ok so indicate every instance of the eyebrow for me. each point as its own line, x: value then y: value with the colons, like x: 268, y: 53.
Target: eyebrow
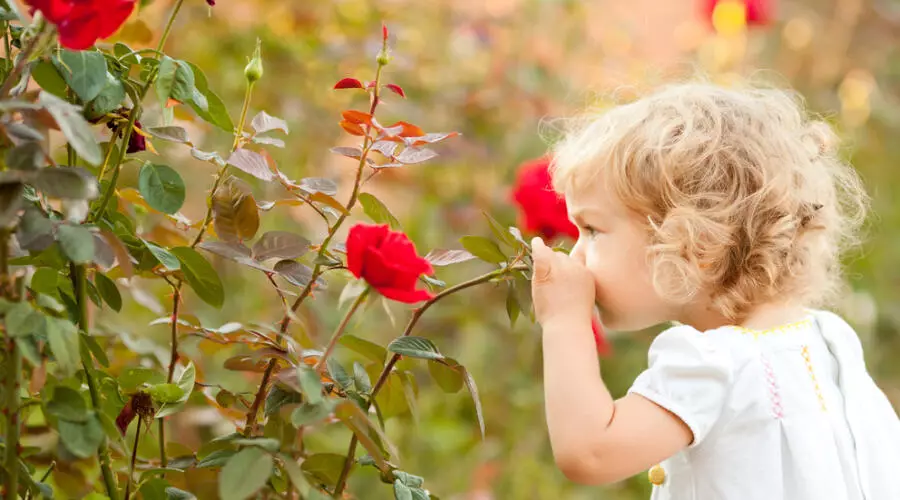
x: 581, y: 212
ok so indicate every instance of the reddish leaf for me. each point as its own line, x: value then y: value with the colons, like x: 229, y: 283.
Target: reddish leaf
x: 251, y: 162
x: 396, y: 89
x: 384, y: 32
x: 354, y: 153
x: 352, y: 128
x: 430, y: 138
x: 370, y: 84
x: 415, y: 155
x: 386, y: 148
x: 171, y: 103
x: 404, y: 129
x: 348, y: 83
x: 447, y: 257
x: 353, y: 116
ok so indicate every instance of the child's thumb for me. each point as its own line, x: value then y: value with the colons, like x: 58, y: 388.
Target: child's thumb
x: 541, y: 259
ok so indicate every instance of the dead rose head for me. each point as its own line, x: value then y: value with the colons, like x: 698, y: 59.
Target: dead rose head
x: 542, y: 210
x: 82, y: 22
x: 388, y: 261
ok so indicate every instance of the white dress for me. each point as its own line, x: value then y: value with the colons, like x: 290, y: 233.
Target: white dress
x: 788, y: 413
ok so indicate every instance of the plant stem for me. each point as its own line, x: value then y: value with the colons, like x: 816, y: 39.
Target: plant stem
x: 137, y: 437
x: 385, y: 373
x: 22, y: 60
x: 79, y: 283
x: 239, y: 132
x: 320, y: 366
x: 11, y: 411
x: 168, y: 29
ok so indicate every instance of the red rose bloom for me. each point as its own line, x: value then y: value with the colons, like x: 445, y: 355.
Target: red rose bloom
x: 759, y: 12
x: 388, y: 261
x: 82, y: 22
x: 542, y: 211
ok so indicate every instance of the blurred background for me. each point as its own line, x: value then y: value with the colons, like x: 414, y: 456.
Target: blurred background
x: 498, y: 71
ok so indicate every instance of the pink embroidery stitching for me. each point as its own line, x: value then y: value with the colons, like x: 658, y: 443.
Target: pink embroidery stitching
x: 774, y: 395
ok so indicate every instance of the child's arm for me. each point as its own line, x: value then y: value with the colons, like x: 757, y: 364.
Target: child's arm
x: 595, y: 439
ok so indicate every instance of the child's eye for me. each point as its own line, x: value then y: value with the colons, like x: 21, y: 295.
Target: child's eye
x: 589, y: 230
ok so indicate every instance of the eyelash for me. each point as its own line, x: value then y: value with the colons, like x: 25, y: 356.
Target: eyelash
x: 590, y: 230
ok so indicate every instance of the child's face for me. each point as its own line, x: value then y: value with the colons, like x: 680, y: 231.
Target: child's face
x: 612, y: 245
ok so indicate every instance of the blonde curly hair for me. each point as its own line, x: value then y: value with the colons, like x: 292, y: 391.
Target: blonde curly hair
x: 744, y: 195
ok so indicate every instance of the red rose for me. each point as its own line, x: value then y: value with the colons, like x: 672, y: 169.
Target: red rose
x: 137, y: 142
x: 603, y: 347
x: 82, y: 22
x: 759, y: 12
x: 387, y: 260
x: 542, y: 210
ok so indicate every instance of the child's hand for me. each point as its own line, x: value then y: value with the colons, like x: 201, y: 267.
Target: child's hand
x: 561, y: 286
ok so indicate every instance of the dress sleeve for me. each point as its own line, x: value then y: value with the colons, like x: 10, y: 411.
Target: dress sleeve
x: 689, y: 376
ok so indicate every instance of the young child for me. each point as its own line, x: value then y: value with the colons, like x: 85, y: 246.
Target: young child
x: 724, y: 211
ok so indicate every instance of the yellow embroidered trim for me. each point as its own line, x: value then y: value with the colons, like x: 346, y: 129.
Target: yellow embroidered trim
x: 812, y: 376
x: 778, y: 329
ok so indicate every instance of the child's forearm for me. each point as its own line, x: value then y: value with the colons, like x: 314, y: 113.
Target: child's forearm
x: 578, y: 405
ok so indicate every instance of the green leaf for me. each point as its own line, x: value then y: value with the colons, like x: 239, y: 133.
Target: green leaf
x: 73, y: 125
x: 244, y: 474
x: 26, y: 156
x: 108, y: 290
x: 154, y: 489
x: 186, y: 384
x: 280, y: 245
x: 201, y: 276
x: 338, y: 374
x: 483, y: 248
x: 500, y: 232
x: 268, y: 444
x: 166, y: 393
x: 415, y: 347
x: 278, y: 397
x: 235, y: 213
x: 377, y: 211
x: 173, y: 493
x: 77, y: 243
x: 448, y: 378
x: 23, y: 320
x: 215, y: 113
x: 361, y: 378
x: 81, y: 438
x: 83, y: 70
x: 217, y: 458
x: 307, y: 413
x: 473, y: 391
x: 132, y: 378
x: 67, y: 404
x: 44, y: 281
x: 326, y: 467
x: 402, y: 491
x: 512, y: 306
x: 47, y: 76
x: 419, y: 494
x: 295, y: 473
x: 62, y: 336
x: 94, y: 348
x: 175, y: 80
x: 126, y: 54
x: 310, y: 384
x: 364, y: 347
x: 109, y: 99
x: 162, y: 187
x: 408, y: 479
x: 69, y: 183
x: 164, y: 257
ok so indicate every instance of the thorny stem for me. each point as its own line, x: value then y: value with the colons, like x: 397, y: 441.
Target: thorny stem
x: 385, y: 373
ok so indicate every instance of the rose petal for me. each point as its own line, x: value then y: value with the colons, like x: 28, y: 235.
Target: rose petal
x: 405, y: 296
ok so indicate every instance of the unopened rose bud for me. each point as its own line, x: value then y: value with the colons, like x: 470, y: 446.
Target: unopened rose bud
x: 383, y: 58
x: 211, y: 3
x: 254, y: 69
